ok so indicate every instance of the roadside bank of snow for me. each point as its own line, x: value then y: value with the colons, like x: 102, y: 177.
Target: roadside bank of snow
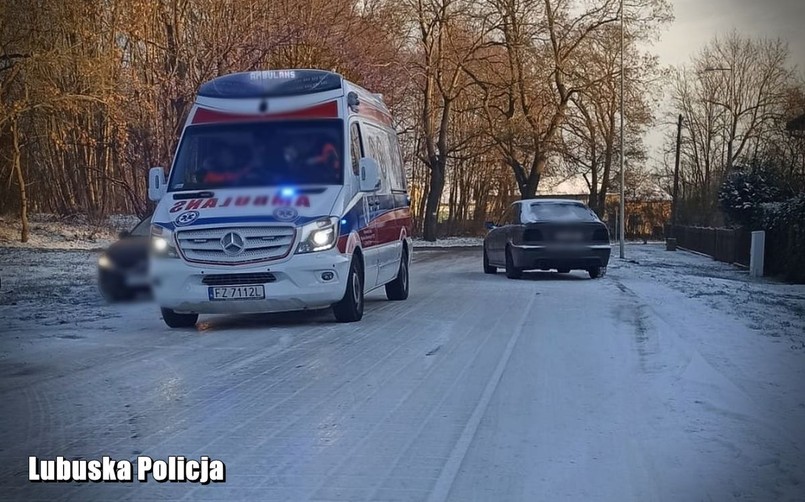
x: 767, y: 306
x: 449, y: 242
x: 52, y: 232
x: 49, y: 287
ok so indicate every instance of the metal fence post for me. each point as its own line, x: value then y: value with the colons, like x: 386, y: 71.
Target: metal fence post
x: 756, y: 253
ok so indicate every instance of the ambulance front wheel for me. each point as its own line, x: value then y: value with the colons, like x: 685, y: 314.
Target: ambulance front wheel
x: 176, y: 320
x: 350, y: 308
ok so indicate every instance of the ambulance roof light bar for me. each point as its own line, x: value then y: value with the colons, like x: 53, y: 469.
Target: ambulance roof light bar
x: 271, y: 83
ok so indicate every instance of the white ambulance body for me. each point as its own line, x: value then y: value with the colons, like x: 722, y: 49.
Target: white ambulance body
x: 287, y: 192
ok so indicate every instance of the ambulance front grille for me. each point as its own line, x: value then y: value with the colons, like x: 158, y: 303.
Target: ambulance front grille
x: 235, y: 245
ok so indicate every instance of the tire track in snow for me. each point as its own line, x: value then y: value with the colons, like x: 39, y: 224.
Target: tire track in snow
x: 450, y: 470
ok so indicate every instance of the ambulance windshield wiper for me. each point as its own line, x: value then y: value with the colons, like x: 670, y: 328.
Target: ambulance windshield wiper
x: 193, y: 195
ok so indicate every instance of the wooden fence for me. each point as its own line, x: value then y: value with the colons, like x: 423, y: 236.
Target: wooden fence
x: 723, y: 244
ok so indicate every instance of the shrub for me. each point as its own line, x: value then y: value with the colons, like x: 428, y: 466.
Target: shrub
x: 743, y: 194
x: 784, y: 223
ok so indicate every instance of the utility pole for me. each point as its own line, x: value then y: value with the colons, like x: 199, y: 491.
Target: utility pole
x: 728, y: 107
x: 623, y: 189
x: 676, y: 176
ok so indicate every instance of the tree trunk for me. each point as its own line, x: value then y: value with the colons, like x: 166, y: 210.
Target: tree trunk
x: 595, y: 189
x: 529, y: 190
x: 434, y: 198
x: 15, y: 135
x: 608, y: 157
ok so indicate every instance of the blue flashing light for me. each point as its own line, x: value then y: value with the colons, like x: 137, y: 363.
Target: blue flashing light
x: 287, y: 192
x: 344, y: 221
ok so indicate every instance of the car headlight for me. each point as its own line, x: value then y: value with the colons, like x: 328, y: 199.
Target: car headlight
x: 319, y: 235
x: 104, y: 261
x: 162, y: 243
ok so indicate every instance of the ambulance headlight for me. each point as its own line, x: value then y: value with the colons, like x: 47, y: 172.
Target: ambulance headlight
x: 319, y: 235
x: 162, y: 243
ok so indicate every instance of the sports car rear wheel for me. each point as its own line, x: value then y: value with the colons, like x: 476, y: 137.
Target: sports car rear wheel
x: 488, y: 269
x: 597, y: 272
x: 512, y: 272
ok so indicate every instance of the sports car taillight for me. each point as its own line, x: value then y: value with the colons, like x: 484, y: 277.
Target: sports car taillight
x: 532, y: 235
x: 601, y: 234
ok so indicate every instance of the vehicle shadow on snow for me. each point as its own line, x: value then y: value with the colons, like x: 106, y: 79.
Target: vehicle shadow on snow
x: 540, y: 276
x: 302, y: 318
x: 263, y: 321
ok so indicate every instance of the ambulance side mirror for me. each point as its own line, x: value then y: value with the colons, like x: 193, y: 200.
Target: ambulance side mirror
x: 156, y: 183
x: 370, y: 175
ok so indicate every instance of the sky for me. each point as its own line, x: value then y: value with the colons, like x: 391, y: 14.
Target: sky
x: 697, y: 21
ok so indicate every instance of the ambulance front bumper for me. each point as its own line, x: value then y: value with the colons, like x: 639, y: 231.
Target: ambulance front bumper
x: 305, y: 281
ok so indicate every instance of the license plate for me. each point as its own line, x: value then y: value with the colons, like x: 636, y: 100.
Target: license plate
x: 237, y: 293
x: 569, y: 236
x: 137, y: 280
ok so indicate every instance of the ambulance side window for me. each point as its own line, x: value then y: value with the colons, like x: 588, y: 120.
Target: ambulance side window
x: 355, y: 148
x: 376, y: 142
x: 398, y: 175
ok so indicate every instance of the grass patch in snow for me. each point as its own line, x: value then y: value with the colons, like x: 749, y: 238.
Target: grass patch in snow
x: 48, y: 231
x: 449, y: 242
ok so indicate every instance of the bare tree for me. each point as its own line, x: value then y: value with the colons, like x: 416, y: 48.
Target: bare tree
x: 532, y: 77
x: 732, y: 97
x: 444, y: 45
x: 590, y: 134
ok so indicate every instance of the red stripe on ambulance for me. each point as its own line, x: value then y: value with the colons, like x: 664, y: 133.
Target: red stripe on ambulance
x: 322, y: 111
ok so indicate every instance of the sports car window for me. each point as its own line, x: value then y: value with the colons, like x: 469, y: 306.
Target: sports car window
x: 510, y: 216
x: 514, y: 215
x: 143, y: 229
x: 502, y: 218
x: 553, y: 211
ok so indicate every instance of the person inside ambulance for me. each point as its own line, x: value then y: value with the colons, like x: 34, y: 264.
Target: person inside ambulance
x: 298, y: 163
x: 221, y: 168
x: 323, y: 163
x: 326, y: 156
x: 298, y: 160
x: 291, y: 157
x: 276, y: 161
x: 258, y: 167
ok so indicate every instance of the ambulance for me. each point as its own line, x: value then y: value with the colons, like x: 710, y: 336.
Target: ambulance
x: 287, y: 192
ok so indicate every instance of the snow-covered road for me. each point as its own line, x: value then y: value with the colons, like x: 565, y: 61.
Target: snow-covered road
x: 672, y: 378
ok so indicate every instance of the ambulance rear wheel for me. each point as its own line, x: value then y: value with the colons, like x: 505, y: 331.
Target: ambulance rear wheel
x: 350, y: 308
x: 176, y: 320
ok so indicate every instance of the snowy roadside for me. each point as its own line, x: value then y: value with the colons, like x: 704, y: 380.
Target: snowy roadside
x: 52, y: 279
x: 51, y: 232
x: 769, y: 307
x: 477, y: 242
x: 49, y: 286
x: 449, y: 242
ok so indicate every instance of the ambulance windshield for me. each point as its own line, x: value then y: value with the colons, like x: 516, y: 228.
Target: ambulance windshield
x: 255, y: 154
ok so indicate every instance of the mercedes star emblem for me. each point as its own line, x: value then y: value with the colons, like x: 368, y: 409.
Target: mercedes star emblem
x: 233, y: 243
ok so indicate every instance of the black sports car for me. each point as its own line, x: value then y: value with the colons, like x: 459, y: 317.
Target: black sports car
x: 545, y: 234
x: 123, y: 267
